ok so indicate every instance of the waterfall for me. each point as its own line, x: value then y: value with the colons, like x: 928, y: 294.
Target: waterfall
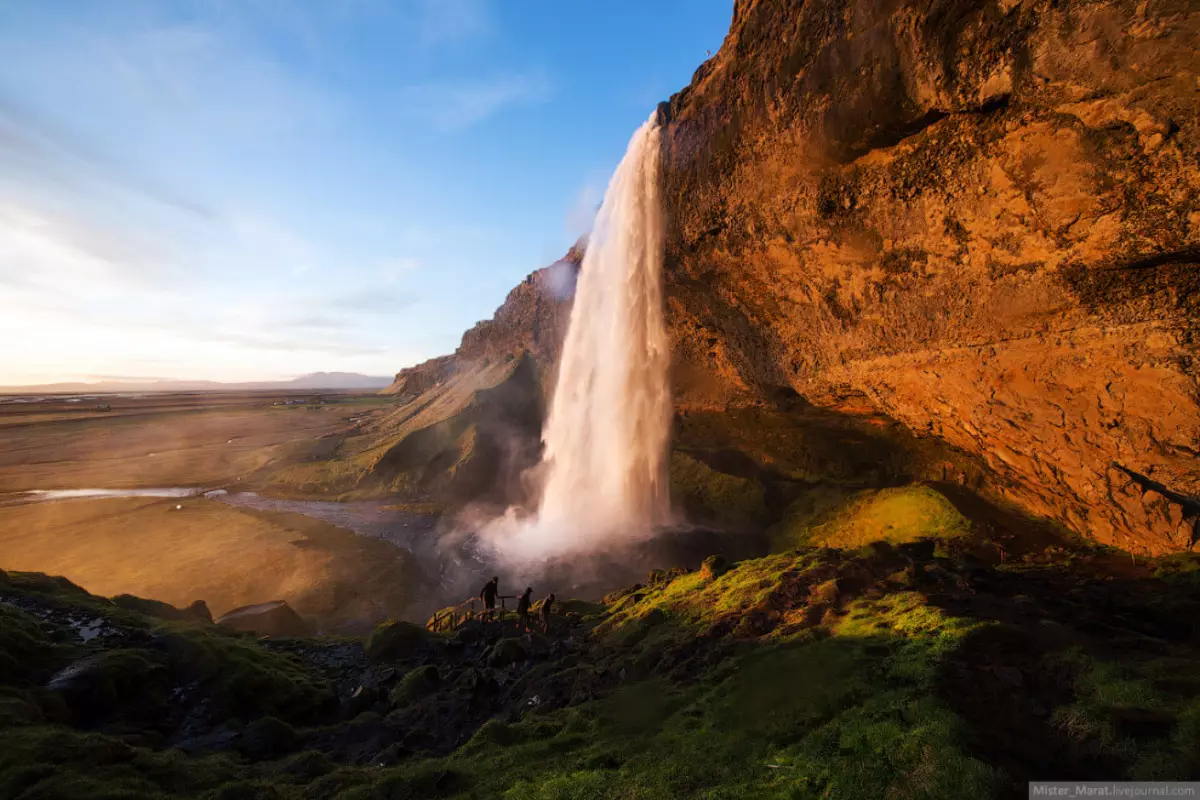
x: 604, y: 464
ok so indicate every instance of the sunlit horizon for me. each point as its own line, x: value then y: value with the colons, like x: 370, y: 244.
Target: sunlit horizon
x: 257, y: 191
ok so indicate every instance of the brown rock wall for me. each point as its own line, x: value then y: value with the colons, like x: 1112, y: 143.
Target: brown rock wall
x: 983, y: 215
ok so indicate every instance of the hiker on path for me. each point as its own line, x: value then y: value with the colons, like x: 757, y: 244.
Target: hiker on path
x: 547, y: 605
x: 488, y: 595
x: 523, y: 606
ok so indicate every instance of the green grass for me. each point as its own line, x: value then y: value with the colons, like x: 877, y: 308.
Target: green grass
x: 810, y: 673
x: 1111, y: 695
x: 847, y: 714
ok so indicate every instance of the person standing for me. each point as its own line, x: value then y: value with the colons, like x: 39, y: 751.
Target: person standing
x: 547, y: 606
x: 488, y: 595
x: 523, y: 606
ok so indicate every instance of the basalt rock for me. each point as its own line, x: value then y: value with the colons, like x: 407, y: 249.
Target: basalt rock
x: 981, y: 216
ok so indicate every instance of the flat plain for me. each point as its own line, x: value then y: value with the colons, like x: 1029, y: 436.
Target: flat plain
x: 184, y: 549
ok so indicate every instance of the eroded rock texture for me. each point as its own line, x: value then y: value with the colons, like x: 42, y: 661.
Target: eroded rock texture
x: 983, y: 216
x: 533, y: 319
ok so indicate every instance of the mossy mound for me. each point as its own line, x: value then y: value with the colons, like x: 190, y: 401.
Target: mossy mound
x: 416, y: 684
x: 895, y: 515
x: 714, y: 497
x: 396, y: 639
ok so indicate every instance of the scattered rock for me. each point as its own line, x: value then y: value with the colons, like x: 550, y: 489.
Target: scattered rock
x: 275, y: 618
x: 714, y: 567
x: 826, y: 593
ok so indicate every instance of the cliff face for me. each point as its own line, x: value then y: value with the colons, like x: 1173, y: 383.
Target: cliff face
x: 468, y: 424
x: 533, y: 319
x: 983, y: 216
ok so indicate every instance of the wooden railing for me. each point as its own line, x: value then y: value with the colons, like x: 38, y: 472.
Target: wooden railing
x: 465, y: 611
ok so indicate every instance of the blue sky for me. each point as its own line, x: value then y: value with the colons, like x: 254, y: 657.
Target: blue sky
x: 241, y: 189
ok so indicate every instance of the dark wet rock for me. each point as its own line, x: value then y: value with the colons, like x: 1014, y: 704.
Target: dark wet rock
x: 217, y: 739
x: 275, y: 618
x: 130, y: 683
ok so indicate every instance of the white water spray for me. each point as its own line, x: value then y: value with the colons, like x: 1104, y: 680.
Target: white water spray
x: 606, y: 436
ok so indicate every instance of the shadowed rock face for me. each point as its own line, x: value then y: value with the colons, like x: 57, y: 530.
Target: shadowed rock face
x: 532, y: 319
x: 984, y: 216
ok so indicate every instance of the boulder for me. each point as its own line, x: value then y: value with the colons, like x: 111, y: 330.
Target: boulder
x: 275, y: 618
x: 127, y: 683
x: 506, y: 652
x: 394, y: 640
x: 415, y: 685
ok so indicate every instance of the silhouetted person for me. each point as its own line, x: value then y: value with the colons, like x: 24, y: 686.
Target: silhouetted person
x: 523, y: 607
x: 547, y: 605
x: 488, y: 595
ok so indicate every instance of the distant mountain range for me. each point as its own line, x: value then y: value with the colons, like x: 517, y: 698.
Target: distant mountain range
x: 311, y: 382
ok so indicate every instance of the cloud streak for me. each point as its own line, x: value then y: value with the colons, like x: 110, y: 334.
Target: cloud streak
x: 457, y: 105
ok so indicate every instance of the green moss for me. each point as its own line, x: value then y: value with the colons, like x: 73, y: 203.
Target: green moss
x: 716, y: 497
x: 416, y: 684
x: 811, y: 507
x: 243, y: 679
x: 584, y: 608
x: 851, y: 715
x: 394, y: 640
x: 1117, y: 701
x: 26, y: 653
x: 898, y: 515
x: 56, y: 762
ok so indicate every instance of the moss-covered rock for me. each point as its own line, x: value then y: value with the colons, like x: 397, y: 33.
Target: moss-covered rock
x: 714, y: 497
x: 895, y: 515
x: 416, y: 684
x: 130, y: 683
x: 267, y: 737
x: 26, y: 652
x: 395, y: 640
x: 506, y: 652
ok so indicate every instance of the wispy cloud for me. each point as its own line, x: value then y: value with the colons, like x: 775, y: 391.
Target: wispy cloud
x: 443, y: 22
x: 205, y: 186
x: 35, y: 147
x: 455, y: 105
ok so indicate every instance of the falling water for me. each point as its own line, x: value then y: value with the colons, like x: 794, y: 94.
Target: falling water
x: 606, y: 436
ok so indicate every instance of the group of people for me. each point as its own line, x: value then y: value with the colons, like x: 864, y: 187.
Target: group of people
x: 491, y: 591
